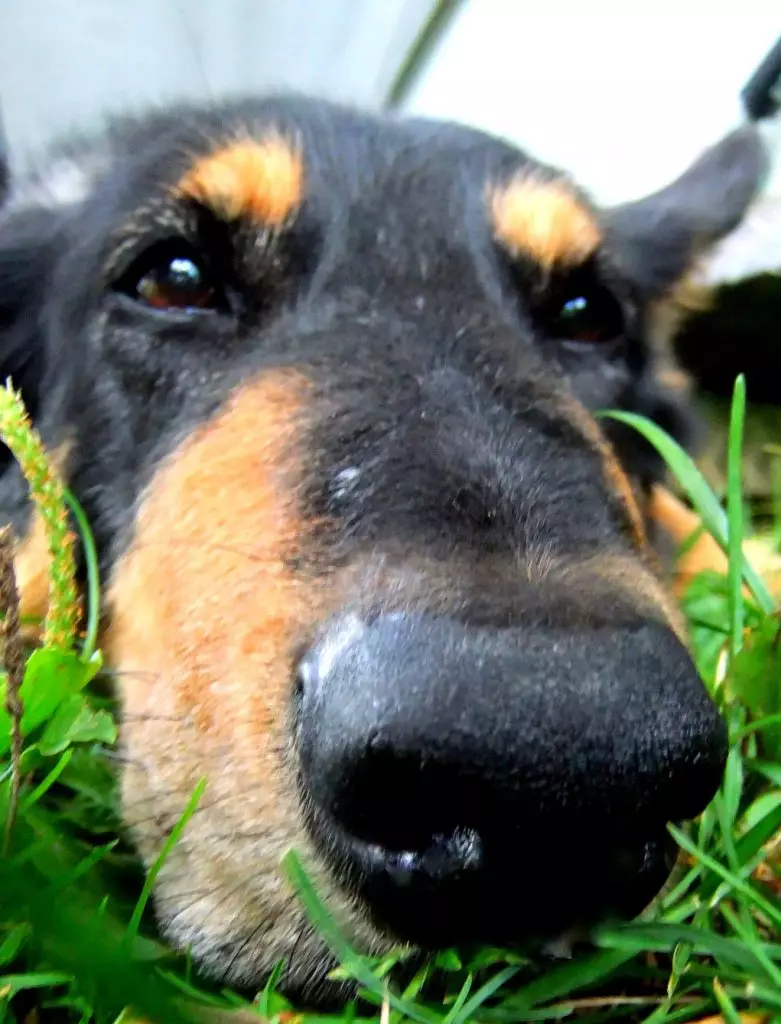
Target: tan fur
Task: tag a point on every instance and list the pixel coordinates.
(745, 1018)
(667, 315)
(626, 575)
(544, 220)
(207, 618)
(615, 477)
(263, 181)
(680, 522)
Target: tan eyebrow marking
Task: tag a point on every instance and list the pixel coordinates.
(261, 180)
(543, 219)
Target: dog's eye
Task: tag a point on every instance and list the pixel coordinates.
(179, 283)
(582, 313)
(172, 276)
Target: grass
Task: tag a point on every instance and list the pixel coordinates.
(434, 27)
(77, 940)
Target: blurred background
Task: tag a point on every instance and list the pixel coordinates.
(623, 94)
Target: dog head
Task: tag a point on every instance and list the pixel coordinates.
(324, 384)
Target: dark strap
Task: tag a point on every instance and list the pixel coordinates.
(4, 162)
(761, 95)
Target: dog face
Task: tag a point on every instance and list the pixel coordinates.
(324, 385)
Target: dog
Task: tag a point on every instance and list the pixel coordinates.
(325, 383)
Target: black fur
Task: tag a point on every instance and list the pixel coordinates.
(739, 333)
(440, 384)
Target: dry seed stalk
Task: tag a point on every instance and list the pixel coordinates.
(13, 664)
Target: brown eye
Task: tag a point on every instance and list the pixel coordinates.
(172, 276)
(582, 311)
(179, 284)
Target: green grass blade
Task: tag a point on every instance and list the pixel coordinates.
(562, 981)
(490, 988)
(435, 25)
(85, 867)
(701, 496)
(458, 1005)
(748, 935)
(728, 801)
(663, 938)
(749, 847)
(735, 883)
(154, 871)
(771, 771)
(768, 722)
(355, 963)
(45, 784)
(21, 982)
(735, 514)
(770, 997)
(689, 1012)
(729, 1012)
(93, 576)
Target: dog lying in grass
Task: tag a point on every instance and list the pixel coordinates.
(325, 384)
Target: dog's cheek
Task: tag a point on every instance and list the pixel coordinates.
(206, 614)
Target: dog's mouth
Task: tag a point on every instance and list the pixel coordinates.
(514, 890)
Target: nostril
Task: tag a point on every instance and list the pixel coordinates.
(303, 680)
(443, 857)
(315, 667)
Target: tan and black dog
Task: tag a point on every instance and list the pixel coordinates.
(324, 383)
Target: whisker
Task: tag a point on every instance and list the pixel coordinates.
(110, 672)
(226, 549)
(232, 890)
(148, 716)
(220, 802)
(204, 760)
(289, 972)
(263, 927)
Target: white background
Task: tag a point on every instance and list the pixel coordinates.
(621, 93)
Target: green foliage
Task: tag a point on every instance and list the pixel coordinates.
(77, 941)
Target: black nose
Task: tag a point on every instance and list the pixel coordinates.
(502, 785)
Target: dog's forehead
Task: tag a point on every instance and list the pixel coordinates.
(264, 159)
(341, 148)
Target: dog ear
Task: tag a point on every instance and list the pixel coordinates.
(658, 238)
